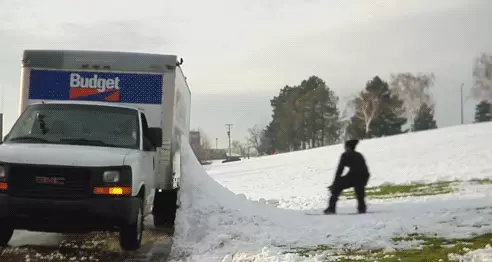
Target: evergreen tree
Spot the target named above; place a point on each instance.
(379, 112)
(424, 120)
(304, 116)
(483, 112)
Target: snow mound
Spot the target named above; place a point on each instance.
(215, 217)
(482, 255)
(215, 224)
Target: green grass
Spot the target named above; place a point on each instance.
(392, 191)
(482, 181)
(432, 248)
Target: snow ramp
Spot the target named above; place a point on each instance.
(215, 224)
(211, 217)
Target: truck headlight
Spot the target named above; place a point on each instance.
(111, 176)
(3, 175)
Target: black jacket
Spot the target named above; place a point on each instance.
(356, 163)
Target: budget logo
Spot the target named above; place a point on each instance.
(94, 87)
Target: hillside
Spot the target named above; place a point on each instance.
(462, 152)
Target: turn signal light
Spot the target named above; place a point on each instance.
(112, 190)
(4, 186)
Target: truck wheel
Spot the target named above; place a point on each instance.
(6, 233)
(131, 235)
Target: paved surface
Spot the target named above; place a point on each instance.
(151, 253)
(39, 246)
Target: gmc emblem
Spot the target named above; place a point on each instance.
(50, 180)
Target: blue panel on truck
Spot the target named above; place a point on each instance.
(96, 86)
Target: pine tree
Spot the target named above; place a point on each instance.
(385, 107)
(304, 116)
(424, 120)
(483, 112)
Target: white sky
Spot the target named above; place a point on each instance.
(238, 54)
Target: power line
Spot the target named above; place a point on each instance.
(229, 126)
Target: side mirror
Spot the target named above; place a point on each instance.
(155, 136)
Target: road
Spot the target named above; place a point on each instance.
(94, 247)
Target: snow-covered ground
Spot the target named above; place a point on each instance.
(482, 255)
(224, 215)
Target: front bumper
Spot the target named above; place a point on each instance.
(68, 216)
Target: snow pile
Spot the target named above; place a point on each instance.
(480, 255)
(215, 224)
(215, 217)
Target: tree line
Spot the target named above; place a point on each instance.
(308, 115)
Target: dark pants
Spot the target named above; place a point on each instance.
(346, 182)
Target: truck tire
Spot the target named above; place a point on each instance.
(164, 210)
(6, 232)
(131, 235)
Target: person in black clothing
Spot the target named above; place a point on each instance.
(357, 177)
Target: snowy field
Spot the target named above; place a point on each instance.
(257, 209)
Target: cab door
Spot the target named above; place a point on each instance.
(149, 165)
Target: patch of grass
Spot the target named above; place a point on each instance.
(436, 248)
(482, 181)
(432, 248)
(391, 191)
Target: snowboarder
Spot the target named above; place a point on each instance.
(357, 177)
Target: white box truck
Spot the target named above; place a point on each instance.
(97, 144)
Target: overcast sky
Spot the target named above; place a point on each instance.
(238, 54)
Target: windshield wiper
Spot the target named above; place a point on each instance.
(83, 141)
(32, 138)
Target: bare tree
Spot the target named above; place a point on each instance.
(482, 78)
(254, 138)
(238, 148)
(367, 107)
(258, 140)
(346, 114)
(413, 90)
(205, 145)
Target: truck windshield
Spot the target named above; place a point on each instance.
(77, 125)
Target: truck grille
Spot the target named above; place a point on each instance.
(49, 182)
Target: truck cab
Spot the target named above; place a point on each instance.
(84, 166)
(95, 148)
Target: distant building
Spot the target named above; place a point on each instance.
(195, 143)
(205, 154)
(195, 139)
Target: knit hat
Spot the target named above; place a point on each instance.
(351, 143)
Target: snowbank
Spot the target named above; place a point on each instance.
(214, 217)
(480, 255)
(215, 224)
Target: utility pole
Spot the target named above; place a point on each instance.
(229, 135)
(1, 116)
(461, 97)
(216, 143)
